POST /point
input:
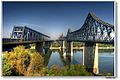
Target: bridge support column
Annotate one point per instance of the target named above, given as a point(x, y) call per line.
point(70, 48)
point(91, 57)
point(45, 50)
point(39, 47)
point(83, 54)
point(95, 67)
point(47, 46)
point(63, 48)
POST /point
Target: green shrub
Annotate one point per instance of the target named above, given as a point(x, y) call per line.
point(6, 68)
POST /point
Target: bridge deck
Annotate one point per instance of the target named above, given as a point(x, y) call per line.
point(29, 42)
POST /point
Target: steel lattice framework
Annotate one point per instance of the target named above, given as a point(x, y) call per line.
point(27, 34)
point(93, 29)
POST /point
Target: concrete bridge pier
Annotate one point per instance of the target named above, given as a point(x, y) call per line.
point(83, 55)
point(70, 48)
point(42, 47)
point(46, 49)
point(95, 67)
point(39, 47)
point(63, 48)
point(46, 46)
point(70, 51)
point(91, 57)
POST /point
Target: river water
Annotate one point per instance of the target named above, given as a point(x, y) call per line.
point(106, 60)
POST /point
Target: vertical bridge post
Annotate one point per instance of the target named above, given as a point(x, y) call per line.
point(39, 47)
point(83, 62)
point(91, 57)
point(70, 48)
point(95, 67)
point(47, 46)
point(63, 48)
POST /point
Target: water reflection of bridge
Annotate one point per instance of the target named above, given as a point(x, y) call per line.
point(93, 32)
point(68, 52)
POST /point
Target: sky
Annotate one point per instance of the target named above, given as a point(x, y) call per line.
point(52, 18)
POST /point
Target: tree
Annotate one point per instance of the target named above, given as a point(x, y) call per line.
point(22, 62)
point(6, 68)
point(19, 59)
point(36, 63)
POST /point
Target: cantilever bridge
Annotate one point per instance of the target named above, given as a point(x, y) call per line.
point(93, 31)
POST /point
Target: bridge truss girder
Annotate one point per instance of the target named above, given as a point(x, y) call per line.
point(93, 29)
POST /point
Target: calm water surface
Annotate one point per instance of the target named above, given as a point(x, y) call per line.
point(106, 60)
point(55, 59)
point(106, 63)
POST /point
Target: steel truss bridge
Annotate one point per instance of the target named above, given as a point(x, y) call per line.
point(93, 29)
point(92, 32)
